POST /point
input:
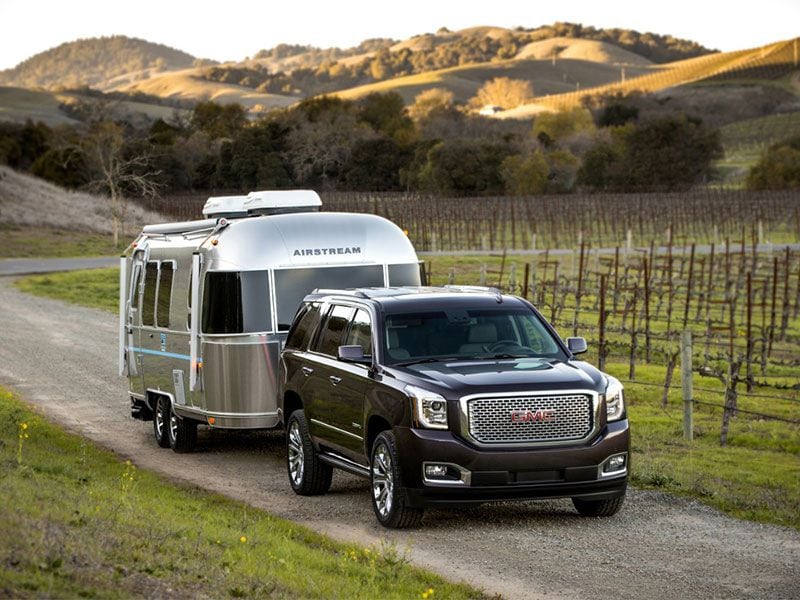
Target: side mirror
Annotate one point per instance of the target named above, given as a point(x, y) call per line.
point(353, 354)
point(577, 345)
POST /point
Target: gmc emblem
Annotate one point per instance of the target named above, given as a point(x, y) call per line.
point(533, 416)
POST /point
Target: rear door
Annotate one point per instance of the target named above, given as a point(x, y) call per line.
point(133, 324)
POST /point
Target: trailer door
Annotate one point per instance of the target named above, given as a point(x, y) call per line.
point(134, 324)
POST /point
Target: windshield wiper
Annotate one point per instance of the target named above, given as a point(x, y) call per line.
point(506, 355)
point(430, 359)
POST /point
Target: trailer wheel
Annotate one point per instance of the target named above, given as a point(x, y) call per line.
point(182, 433)
point(161, 421)
point(308, 475)
point(598, 508)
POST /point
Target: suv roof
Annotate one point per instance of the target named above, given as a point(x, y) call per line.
point(423, 295)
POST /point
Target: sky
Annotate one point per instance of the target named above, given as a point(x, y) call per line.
point(235, 29)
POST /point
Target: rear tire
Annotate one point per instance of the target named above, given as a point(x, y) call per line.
point(598, 508)
point(308, 475)
point(182, 433)
point(161, 421)
point(388, 496)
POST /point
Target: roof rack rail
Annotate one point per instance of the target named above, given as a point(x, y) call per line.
point(474, 289)
point(335, 292)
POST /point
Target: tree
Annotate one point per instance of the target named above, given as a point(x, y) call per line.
point(115, 171)
point(386, 113)
point(464, 167)
point(550, 128)
point(375, 165)
point(217, 120)
point(778, 169)
point(525, 175)
point(504, 92)
point(430, 103)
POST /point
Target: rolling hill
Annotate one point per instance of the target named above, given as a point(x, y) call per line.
point(92, 62)
point(761, 65)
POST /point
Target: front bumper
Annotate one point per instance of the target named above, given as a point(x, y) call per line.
point(512, 474)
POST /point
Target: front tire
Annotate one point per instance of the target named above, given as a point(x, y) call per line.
point(388, 499)
point(599, 508)
point(161, 421)
point(308, 475)
point(182, 433)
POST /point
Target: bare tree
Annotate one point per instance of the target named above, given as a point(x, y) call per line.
point(116, 172)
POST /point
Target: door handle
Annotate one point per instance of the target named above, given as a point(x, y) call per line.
point(334, 379)
point(307, 371)
point(151, 335)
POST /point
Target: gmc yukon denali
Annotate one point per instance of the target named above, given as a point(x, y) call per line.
point(441, 396)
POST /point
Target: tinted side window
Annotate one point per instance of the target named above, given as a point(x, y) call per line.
point(222, 303)
point(360, 333)
point(149, 301)
point(236, 302)
point(303, 327)
point(164, 294)
point(332, 334)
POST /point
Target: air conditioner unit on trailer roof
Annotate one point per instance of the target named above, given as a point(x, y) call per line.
point(280, 202)
point(229, 207)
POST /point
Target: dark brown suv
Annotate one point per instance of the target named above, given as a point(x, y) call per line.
point(442, 396)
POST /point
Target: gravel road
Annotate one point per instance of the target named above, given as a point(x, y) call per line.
point(62, 358)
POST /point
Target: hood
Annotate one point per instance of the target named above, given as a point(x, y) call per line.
point(461, 378)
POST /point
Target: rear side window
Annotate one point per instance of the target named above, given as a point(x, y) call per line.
point(164, 294)
point(360, 333)
point(236, 302)
point(303, 327)
point(149, 301)
point(331, 336)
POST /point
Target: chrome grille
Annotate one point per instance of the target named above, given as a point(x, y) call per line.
point(490, 419)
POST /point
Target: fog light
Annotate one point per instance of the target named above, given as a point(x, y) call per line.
point(615, 463)
point(435, 471)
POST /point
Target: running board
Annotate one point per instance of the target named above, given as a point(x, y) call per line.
point(340, 462)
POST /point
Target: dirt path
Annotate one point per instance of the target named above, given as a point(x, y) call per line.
point(63, 359)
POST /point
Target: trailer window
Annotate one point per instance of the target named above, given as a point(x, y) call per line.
point(164, 294)
point(292, 285)
point(149, 303)
point(409, 274)
point(236, 302)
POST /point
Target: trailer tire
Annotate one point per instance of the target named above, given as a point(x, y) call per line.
point(182, 433)
point(161, 413)
point(308, 475)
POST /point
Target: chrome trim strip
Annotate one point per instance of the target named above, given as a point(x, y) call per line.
point(341, 462)
point(618, 473)
point(464, 417)
point(465, 479)
point(336, 429)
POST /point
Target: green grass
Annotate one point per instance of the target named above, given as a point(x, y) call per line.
point(29, 242)
point(77, 521)
point(96, 288)
point(757, 476)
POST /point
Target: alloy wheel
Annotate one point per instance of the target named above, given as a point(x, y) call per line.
point(382, 480)
point(296, 454)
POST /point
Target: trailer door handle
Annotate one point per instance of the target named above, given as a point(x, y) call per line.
point(307, 371)
point(334, 379)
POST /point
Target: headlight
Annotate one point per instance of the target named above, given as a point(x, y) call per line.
point(430, 408)
point(615, 403)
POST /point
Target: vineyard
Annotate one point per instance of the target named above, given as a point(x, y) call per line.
point(524, 224)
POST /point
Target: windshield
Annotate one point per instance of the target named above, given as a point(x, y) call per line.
point(467, 334)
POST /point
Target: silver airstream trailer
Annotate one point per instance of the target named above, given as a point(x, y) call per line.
point(205, 305)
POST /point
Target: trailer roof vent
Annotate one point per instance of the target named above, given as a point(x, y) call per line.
point(229, 207)
point(282, 202)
